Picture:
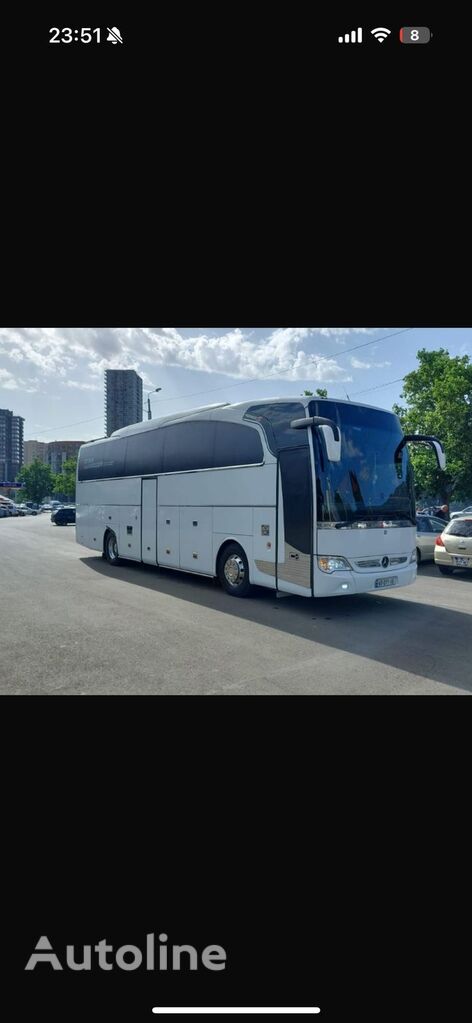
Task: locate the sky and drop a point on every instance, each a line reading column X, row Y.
column 54, row 377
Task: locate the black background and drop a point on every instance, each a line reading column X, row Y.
column 239, row 171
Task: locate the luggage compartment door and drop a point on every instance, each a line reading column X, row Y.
column 149, row 522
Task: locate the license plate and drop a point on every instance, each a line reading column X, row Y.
column 462, row 562
column 390, row 580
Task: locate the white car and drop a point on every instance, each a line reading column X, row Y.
column 466, row 511
column 8, row 508
column 427, row 529
column 453, row 547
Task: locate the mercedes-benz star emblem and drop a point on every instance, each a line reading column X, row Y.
column 384, row 562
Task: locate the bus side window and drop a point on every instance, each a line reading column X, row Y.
column 102, row 460
column 275, row 421
column 189, row 446
column 144, row 453
column 237, row 445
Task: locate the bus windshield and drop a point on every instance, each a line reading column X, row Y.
column 367, row 487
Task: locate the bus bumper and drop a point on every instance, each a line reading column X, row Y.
column 341, row 584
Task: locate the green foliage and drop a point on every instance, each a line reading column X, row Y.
column 321, row 392
column 438, row 400
column 38, row 480
column 64, row 483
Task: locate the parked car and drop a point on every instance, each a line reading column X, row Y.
column 427, row 529
column 8, row 508
column 466, row 511
column 453, row 548
column 63, row 516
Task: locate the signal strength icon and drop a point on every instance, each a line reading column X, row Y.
column 381, row 33
column 351, row 37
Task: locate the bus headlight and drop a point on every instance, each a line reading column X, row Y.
column 333, row 564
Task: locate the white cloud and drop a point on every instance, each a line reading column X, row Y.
column 288, row 353
column 83, row 387
column 359, row 364
column 9, row 383
column 44, row 348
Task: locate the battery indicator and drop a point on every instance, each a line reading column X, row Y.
column 415, row 35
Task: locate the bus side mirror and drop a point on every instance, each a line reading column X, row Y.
column 440, row 454
column 423, row 438
column 333, row 446
column 330, row 431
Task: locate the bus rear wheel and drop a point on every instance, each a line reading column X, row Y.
column 110, row 548
column 233, row 571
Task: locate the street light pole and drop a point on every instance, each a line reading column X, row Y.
column 156, row 389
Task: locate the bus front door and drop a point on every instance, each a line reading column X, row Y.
column 295, row 522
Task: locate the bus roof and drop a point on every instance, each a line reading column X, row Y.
column 226, row 410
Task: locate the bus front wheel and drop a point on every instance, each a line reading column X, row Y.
column 110, row 549
column 233, row 571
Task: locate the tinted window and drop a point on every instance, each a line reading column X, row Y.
column 275, row 421
column 423, row 525
column 144, row 453
column 437, row 524
column 460, row 527
column 188, row 446
column 237, row 445
column 295, row 471
column 102, row 460
column 368, row 484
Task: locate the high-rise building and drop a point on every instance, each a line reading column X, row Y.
column 35, row 449
column 123, row 399
column 58, row 451
column 11, row 445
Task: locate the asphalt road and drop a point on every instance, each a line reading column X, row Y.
column 72, row 624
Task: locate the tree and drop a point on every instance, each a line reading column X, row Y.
column 438, row 400
column 321, row 392
column 38, row 481
column 64, row 483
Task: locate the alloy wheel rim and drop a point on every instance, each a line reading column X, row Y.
column 234, row 570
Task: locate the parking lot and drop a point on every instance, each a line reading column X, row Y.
column 72, row 624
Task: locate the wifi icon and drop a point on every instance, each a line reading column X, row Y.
column 380, row 33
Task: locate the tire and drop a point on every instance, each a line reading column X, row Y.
column 233, row 571
column 418, row 556
column 110, row 548
column 445, row 570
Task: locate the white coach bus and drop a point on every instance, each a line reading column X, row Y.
column 309, row 496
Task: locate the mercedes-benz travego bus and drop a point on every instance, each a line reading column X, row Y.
column 306, row 496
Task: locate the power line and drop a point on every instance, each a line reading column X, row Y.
column 68, row 425
column 226, row 387
column 240, row 383
column 367, row 389
column 376, row 341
